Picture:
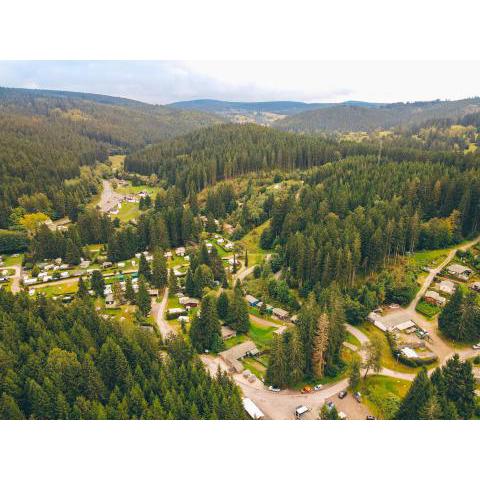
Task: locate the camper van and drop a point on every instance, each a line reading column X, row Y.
column 300, row 411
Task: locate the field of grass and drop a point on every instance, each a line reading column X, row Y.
column 251, row 241
column 427, row 309
column 128, row 211
column 428, row 258
column 255, row 367
column 382, row 394
column 64, row 288
column 117, row 161
column 11, row 260
column 353, row 340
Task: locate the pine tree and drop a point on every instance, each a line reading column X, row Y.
column 296, row 358
column 190, row 284
column 320, row 345
column 159, row 270
column 82, row 291
column 418, row 398
column 246, row 258
column 277, row 374
column 238, row 317
column 205, row 329
column 354, row 378
column 117, row 292
column 203, row 278
column 172, row 283
column 223, row 305
column 144, row 268
column 98, row 283
column 460, row 386
column 129, row 291
column 143, row 297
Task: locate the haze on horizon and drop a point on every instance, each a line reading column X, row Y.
column 163, row 82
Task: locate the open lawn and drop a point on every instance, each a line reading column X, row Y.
column 255, row 367
column 128, row 211
column 64, row 288
column 427, row 309
column 383, row 394
column 251, row 241
column 428, row 258
column 11, row 260
column 117, row 161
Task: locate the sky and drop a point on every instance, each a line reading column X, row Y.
column 162, row 82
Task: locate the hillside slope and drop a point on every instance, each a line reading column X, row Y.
column 347, row 117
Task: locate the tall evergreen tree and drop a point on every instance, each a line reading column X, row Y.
column 159, row 270
column 417, row 399
column 143, row 297
column 98, row 283
column 205, row 329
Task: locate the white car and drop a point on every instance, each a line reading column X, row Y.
column 271, row 388
column 476, row 347
column 318, row 387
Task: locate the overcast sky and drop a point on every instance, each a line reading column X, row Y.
column 166, row 81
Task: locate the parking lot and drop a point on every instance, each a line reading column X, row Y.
column 351, row 408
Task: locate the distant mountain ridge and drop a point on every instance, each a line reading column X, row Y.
column 350, row 117
column 281, row 107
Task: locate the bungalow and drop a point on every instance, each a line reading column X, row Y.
column 390, row 323
column 184, row 318
column 459, row 271
column 189, row 302
column 252, row 301
column 107, row 264
column 227, row 333
column 434, row 298
column 281, row 314
column 180, row 251
column 153, row 292
column 30, row 281
column 229, row 246
column 446, row 286
column 175, row 313
column 475, row 286
column 233, row 355
column 64, row 275
column 84, row 264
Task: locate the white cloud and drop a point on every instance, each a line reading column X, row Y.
column 311, row 81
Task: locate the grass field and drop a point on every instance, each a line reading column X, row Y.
column 64, row 288
column 427, row 309
column 117, row 161
column 11, row 260
column 251, row 241
column 353, row 340
column 382, row 394
column 128, row 211
column 428, row 258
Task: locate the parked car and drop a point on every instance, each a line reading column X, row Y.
column 330, row 405
column 476, row 347
column 358, row 397
column 370, row 417
column 318, row 387
column 342, row 394
column 306, row 389
column 271, row 388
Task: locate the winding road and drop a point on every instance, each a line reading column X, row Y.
column 158, row 313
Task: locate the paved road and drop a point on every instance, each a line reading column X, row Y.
column 427, row 282
column 158, row 313
column 109, row 197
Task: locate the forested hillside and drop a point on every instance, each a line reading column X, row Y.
column 348, row 118
column 46, row 137
column 202, row 157
column 62, row 362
